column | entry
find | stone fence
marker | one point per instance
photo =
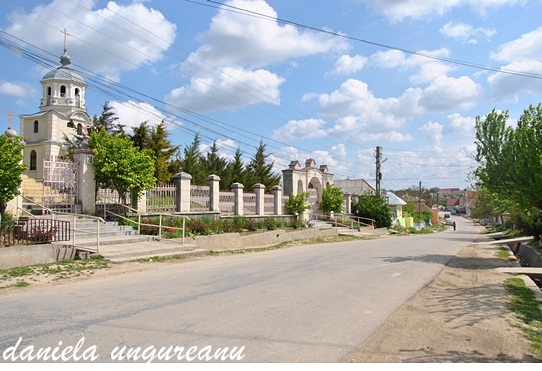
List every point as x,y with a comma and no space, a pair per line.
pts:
183,197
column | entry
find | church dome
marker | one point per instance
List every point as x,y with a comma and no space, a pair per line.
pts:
64,73
10,133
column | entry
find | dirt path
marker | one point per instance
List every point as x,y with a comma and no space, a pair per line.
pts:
462,316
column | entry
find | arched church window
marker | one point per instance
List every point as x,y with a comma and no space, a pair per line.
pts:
63,91
33,160
49,91
36,126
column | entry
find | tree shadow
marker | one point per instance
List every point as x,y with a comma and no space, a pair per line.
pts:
426,355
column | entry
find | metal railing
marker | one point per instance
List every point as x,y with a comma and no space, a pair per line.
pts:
338,220
74,218
140,215
33,231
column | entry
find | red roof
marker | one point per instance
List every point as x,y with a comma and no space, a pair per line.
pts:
453,202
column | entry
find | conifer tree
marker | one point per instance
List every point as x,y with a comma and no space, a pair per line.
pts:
259,171
235,171
191,163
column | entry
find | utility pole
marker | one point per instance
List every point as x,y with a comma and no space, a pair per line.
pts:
420,202
378,172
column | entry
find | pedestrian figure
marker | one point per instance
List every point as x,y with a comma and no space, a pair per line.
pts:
454,225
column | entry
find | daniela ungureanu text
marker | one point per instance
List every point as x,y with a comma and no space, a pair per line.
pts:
79,352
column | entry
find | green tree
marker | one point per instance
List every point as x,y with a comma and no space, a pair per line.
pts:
164,153
332,200
108,121
213,163
141,137
297,204
509,158
156,139
121,166
259,171
373,207
191,163
235,171
11,168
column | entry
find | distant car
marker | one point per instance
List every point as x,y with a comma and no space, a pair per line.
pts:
446,216
450,222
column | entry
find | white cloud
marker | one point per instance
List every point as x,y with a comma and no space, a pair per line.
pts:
235,39
16,89
295,129
447,93
97,45
508,86
522,55
227,70
347,65
398,10
132,114
527,47
232,88
459,125
433,131
466,32
427,68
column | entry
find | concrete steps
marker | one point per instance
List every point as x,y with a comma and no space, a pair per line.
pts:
145,250
122,243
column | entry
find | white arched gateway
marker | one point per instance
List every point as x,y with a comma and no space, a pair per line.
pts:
310,179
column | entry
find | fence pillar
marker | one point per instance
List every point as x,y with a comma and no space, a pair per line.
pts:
348,200
355,199
141,203
277,193
182,195
259,190
86,185
214,192
238,198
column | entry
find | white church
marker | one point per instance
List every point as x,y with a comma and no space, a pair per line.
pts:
61,109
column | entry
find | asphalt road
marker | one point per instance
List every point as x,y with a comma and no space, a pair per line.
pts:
312,303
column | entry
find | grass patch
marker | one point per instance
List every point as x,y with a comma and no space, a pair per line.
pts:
59,269
158,259
523,302
504,254
22,284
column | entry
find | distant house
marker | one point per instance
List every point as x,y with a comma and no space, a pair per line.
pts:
354,186
451,203
448,191
396,205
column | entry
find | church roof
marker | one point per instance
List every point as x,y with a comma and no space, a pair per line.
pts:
64,73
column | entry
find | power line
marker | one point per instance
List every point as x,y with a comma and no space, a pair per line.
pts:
373,43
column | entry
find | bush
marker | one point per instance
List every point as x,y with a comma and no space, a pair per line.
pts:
146,229
270,224
199,227
238,224
250,225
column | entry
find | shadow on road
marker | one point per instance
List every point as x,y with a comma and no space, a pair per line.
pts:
455,356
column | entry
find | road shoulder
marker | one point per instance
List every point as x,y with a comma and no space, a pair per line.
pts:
462,316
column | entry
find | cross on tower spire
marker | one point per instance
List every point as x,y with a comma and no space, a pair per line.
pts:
10,115
65,59
65,32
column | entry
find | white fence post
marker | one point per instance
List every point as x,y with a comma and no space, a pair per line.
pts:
238,202
214,192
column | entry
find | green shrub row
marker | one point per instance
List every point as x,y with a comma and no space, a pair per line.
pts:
206,226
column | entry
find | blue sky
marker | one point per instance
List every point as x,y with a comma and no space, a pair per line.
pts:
330,80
